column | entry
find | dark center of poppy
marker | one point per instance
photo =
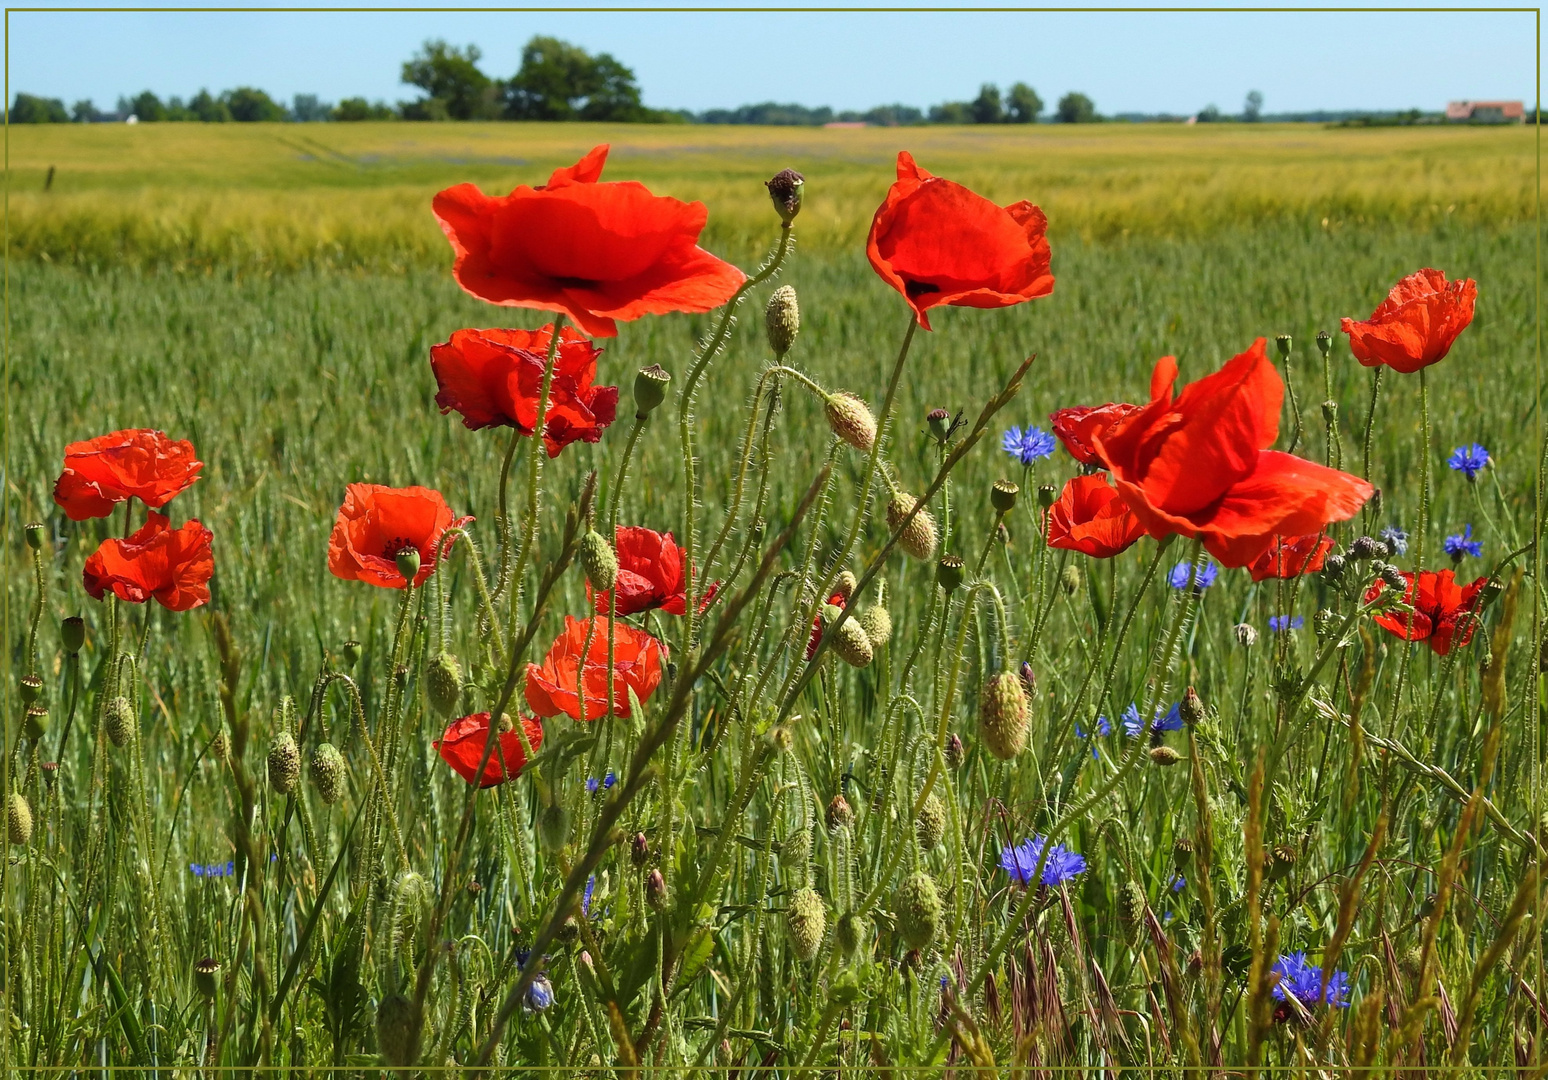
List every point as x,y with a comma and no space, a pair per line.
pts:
396,544
916,289
577,283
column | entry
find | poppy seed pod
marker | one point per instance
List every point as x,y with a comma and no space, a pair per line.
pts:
918,540
851,420
785,193
397,1031
72,634
554,827
407,560
876,621
1324,343
328,772
1002,496
917,908
205,972
851,932
35,724
939,422
852,644
349,652
1283,342
120,721
599,561
806,920
1002,715
284,763
1182,853
650,386
35,535
1164,755
782,319
840,814
30,689
949,573
1282,859
443,683
18,819
931,823
1330,412
845,585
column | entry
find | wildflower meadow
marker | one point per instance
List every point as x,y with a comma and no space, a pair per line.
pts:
968,647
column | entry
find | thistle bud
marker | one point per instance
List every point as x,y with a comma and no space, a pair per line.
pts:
876,621
349,652
956,753
1330,412
328,772
939,421
931,823
639,850
1392,576
917,908
1182,853
1282,342
840,814
850,419
284,763
1191,708
1281,860
1047,495
30,689
1164,755
806,920
845,585
1002,715
1333,569
852,644
655,890
1070,579
851,933
785,193
443,684
408,564
121,722
205,974
397,1031
554,827
18,819
1367,547
1324,343
72,633
36,531
949,573
918,539
650,387
599,561
1002,496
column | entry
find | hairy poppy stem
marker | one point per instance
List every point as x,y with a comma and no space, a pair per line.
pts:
503,520
1419,531
1370,425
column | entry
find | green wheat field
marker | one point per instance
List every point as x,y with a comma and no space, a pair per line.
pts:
271,293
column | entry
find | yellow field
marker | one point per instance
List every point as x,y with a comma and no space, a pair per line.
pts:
282,195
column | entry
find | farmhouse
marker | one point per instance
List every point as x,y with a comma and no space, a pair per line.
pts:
1485,112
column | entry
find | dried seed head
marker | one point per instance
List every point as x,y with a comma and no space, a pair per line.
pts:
876,621
121,724
599,561
205,975
918,540
18,819
852,932
284,763
443,683
328,772
956,753
806,920
1002,715
917,908
785,192
931,825
782,319
30,689
852,644
72,633
840,814
650,387
851,420
1164,755
1246,635
949,573
397,1031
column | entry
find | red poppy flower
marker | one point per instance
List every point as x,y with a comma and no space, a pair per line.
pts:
494,378
1441,609
135,464
1292,556
1198,464
598,252
1090,517
838,601
462,747
1416,324
1075,426
938,243
172,565
376,522
650,574
552,687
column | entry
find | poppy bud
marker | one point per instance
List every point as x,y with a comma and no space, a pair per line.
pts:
1367,547
931,823
785,193
845,585
397,1031
655,890
408,563
1281,860
852,644
852,932
917,908
1191,709
796,851
31,689
35,530
956,753
851,420
1392,576
806,920
443,683
1132,904
918,540
1164,755
205,972
650,387
780,739
1070,578
1028,679
1375,502
1324,343
1002,715
782,319
284,763
939,421
639,850
949,573
840,814
1047,494
599,561
72,633
554,827
350,653
876,621
1282,342
1330,412
1002,496
18,819
1182,853
328,772
121,721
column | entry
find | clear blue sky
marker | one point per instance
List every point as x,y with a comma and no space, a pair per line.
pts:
1126,62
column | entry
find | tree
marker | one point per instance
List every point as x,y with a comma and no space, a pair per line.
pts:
560,81
249,105
450,76
613,95
306,108
987,108
147,107
82,112
28,109
893,115
1023,104
1209,114
1252,109
951,112
209,109
1076,108
358,108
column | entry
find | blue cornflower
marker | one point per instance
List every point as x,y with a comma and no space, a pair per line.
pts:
1463,544
1395,538
1020,862
1171,720
196,869
1179,883
1102,728
1278,623
591,884
1183,574
1029,445
1469,460
1303,981
540,995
